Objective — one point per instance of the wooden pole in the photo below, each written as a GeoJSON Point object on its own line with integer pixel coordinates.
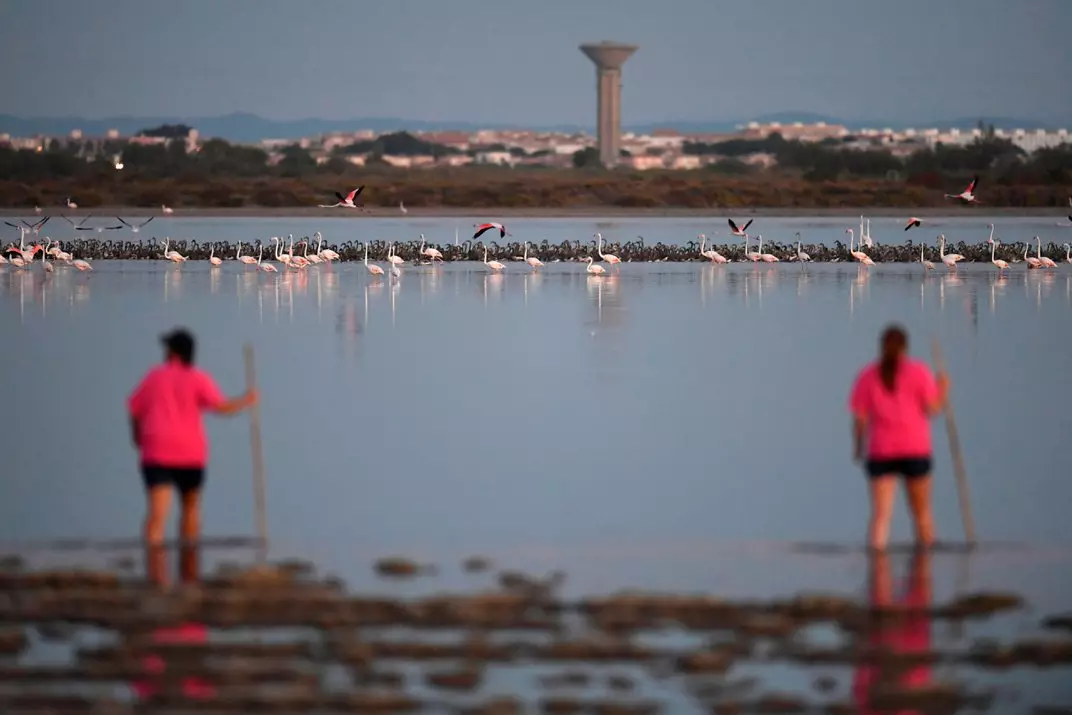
{"type": "Point", "coordinates": [957, 454]}
{"type": "Point", "coordinates": [258, 459]}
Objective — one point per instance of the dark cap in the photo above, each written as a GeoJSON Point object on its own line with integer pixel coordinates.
{"type": "Point", "coordinates": [180, 343]}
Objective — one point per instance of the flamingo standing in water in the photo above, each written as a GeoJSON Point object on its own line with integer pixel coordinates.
{"type": "Point", "coordinates": [1031, 261]}
{"type": "Point", "coordinates": [212, 257]}
{"type": "Point", "coordinates": [710, 254]}
{"type": "Point", "coordinates": [45, 263]}
{"type": "Point", "coordinates": [173, 256]}
{"type": "Point", "coordinates": [295, 261]}
{"type": "Point", "coordinates": [493, 266]}
{"type": "Point", "coordinates": [1002, 265]}
{"type": "Point", "coordinates": [533, 261]}
{"type": "Point", "coordinates": [949, 259]}
{"type": "Point", "coordinates": [313, 258]}
{"type": "Point", "coordinates": [279, 255]}
{"type": "Point", "coordinates": [1046, 262]}
{"type": "Point", "coordinates": [592, 268]}
{"type": "Point", "coordinates": [750, 255]}
{"type": "Point", "coordinates": [372, 268]}
{"type": "Point", "coordinates": [79, 264]}
{"type": "Point", "coordinates": [248, 260]}
{"type": "Point", "coordinates": [608, 257]}
{"type": "Point", "coordinates": [1068, 253]}
{"type": "Point", "coordinates": [266, 267]}
{"type": "Point", "coordinates": [327, 254]}
{"type": "Point", "coordinates": [968, 195]}
{"type": "Point", "coordinates": [432, 253]}
{"type": "Point", "coordinates": [71, 204]}
{"type": "Point", "coordinates": [767, 257]}
{"type": "Point", "coordinates": [856, 254]}
{"type": "Point", "coordinates": [926, 264]}
{"type": "Point", "coordinates": [167, 210]}
{"type": "Point", "coordinates": [801, 256]}
{"type": "Point", "coordinates": [394, 260]}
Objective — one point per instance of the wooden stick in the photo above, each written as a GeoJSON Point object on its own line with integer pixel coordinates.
{"type": "Point", "coordinates": [258, 458]}
{"type": "Point", "coordinates": [957, 454]}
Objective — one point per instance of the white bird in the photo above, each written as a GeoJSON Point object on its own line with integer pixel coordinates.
{"type": "Point", "coordinates": [592, 268]}
{"type": "Point", "coordinates": [1046, 262]}
{"type": "Point", "coordinates": [533, 261]}
{"type": "Point", "coordinates": [266, 267]}
{"type": "Point", "coordinates": [172, 256]}
{"type": "Point", "coordinates": [392, 258]}
{"type": "Point", "coordinates": [167, 210]}
{"type": "Point", "coordinates": [45, 263]}
{"type": "Point", "coordinates": [71, 204]}
{"type": "Point", "coordinates": [135, 227]}
{"type": "Point", "coordinates": [801, 256]}
{"type": "Point", "coordinates": [402, 208]}
{"type": "Point", "coordinates": [1002, 265]}
{"type": "Point", "coordinates": [1068, 254]}
{"type": "Point", "coordinates": [926, 264]}
{"type": "Point", "coordinates": [968, 195]}
{"type": "Point", "coordinates": [865, 237]}
{"type": "Point", "coordinates": [212, 257]}
{"type": "Point", "coordinates": [372, 268]}
{"type": "Point", "coordinates": [432, 253]}
{"type": "Point", "coordinates": [346, 202]}
{"type": "Point", "coordinates": [608, 257]}
{"type": "Point", "coordinates": [494, 266]}
{"type": "Point", "coordinates": [949, 259]}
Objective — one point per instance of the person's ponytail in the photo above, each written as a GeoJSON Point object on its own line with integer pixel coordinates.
{"type": "Point", "coordinates": [894, 343]}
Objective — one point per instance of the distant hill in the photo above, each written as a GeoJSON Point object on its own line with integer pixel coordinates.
{"type": "Point", "coordinates": [244, 127]}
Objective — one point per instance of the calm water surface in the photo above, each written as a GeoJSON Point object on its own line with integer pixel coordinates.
{"type": "Point", "coordinates": [669, 426]}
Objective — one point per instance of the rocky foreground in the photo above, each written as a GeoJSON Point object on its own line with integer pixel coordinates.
{"type": "Point", "coordinates": [281, 639]}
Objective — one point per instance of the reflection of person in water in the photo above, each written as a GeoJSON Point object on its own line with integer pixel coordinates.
{"type": "Point", "coordinates": [901, 635]}
{"type": "Point", "coordinates": [155, 666]}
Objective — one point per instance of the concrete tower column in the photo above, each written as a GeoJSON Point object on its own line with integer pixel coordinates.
{"type": "Point", "coordinates": [608, 58]}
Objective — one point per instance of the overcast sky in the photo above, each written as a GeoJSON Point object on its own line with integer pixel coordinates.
{"type": "Point", "coordinates": [516, 61]}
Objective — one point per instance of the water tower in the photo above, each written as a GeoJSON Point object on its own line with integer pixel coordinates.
{"type": "Point", "coordinates": [608, 58]}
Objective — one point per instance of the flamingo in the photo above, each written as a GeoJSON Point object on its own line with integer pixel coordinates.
{"type": "Point", "coordinates": [79, 264]}
{"type": "Point", "coordinates": [212, 257]}
{"type": "Point", "coordinates": [292, 260]}
{"type": "Point", "coordinates": [34, 228]}
{"type": "Point", "coordinates": [533, 261]}
{"type": "Point", "coordinates": [968, 195]}
{"type": "Point", "coordinates": [246, 259]}
{"type": "Point", "coordinates": [58, 254]}
{"type": "Point", "coordinates": [949, 259]}
{"type": "Point", "coordinates": [266, 267]}
{"type": "Point", "coordinates": [926, 264]}
{"type": "Point", "coordinates": [167, 210]}
{"type": "Point", "coordinates": [173, 256]}
{"type": "Point", "coordinates": [1032, 262]}
{"type": "Point", "coordinates": [592, 268]}
{"type": "Point", "coordinates": [858, 255]}
{"type": "Point", "coordinates": [865, 237]}
{"type": "Point", "coordinates": [327, 254]}
{"type": "Point", "coordinates": [739, 231]}
{"type": "Point", "coordinates": [801, 256]}
{"type": "Point", "coordinates": [310, 259]}
{"type": "Point", "coordinates": [494, 266]}
{"type": "Point", "coordinates": [913, 222]}
{"type": "Point", "coordinates": [750, 255]}
{"type": "Point", "coordinates": [1068, 254]}
{"type": "Point", "coordinates": [372, 268]}
{"type": "Point", "coordinates": [1046, 262]}
{"type": "Point", "coordinates": [78, 226]}
{"type": "Point", "coordinates": [432, 253]}
{"type": "Point", "coordinates": [402, 208]}
{"type": "Point", "coordinates": [481, 228]}
{"type": "Point", "coordinates": [392, 258]}
{"type": "Point", "coordinates": [71, 204]}
{"type": "Point", "coordinates": [710, 254]}
{"type": "Point", "coordinates": [134, 228]}
{"type": "Point", "coordinates": [1002, 265]}
{"type": "Point", "coordinates": [608, 257]}
{"type": "Point", "coordinates": [37, 210]}
{"type": "Point", "coordinates": [279, 255]}
{"type": "Point", "coordinates": [346, 202]}
{"type": "Point", "coordinates": [767, 257]}
{"type": "Point", "coordinates": [45, 263]}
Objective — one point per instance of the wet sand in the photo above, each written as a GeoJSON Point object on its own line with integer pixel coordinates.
{"type": "Point", "coordinates": [543, 213]}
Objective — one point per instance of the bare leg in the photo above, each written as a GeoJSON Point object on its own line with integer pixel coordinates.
{"type": "Point", "coordinates": [190, 533]}
{"type": "Point", "coordinates": [158, 503]}
{"type": "Point", "coordinates": [918, 492]}
{"type": "Point", "coordinates": [883, 491]}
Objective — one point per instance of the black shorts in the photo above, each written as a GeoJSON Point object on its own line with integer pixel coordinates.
{"type": "Point", "coordinates": [907, 467]}
{"type": "Point", "coordinates": [185, 479]}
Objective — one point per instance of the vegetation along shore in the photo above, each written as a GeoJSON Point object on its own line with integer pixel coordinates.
{"type": "Point", "coordinates": [797, 176]}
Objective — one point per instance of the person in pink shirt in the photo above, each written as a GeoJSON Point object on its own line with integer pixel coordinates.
{"type": "Point", "coordinates": [165, 420]}
{"type": "Point", "coordinates": [892, 401]}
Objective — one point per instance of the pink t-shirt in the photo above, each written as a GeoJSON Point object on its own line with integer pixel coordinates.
{"type": "Point", "coordinates": [898, 423]}
{"type": "Point", "coordinates": [168, 405]}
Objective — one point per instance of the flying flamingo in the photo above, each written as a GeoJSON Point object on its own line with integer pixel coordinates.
{"type": "Point", "coordinates": [926, 264]}
{"type": "Point", "coordinates": [533, 261]}
{"type": "Point", "coordinates": [767, 257]}
{"type": "Point", "coordinates": [592, 268]}
{"type": "Point", "coordinates": [212, 257]}
{"type": "Point", "coordinates": [494, 266]}
{"type": "Point", "coordinates": [1002, 265]}
{"type": "Point", "coordinates": [372, 268]}
{"type": "Point", "coordinates": [167, 210]}
{"type": "Point", "coordinates": [134, 228]}
{"type": "Point", "coordinates": [968, 195]}
{"type": "Point", "coordinates": [750, 255]}
{"type": "Point", "coordinates": [481, 228]}
{"type": "Point", "coordinates": [739, 231]}
{"type": "Point", "coordinates": [432, 253]}
{"type": "Point", "coordinates": [801, 256]}
{"type": "Point", "coordinates": [346, 202]}
{"type": "Point", "coordinates": [246, 259]}
{"type": "Point", "coordinates": [913, 223]}
{"type": "Point", "coordinates": [266, 267]}
{"type": "Point", "coordinates": [608, 257]}
{"type": "Point", "coordinates": [1046, 262]}
{"type": "Point", "coordinates": [710, 254]}
{"type": "Point", "coordinates": [34, 228]}
{"type": "Point", "coordinates": [949, 259]}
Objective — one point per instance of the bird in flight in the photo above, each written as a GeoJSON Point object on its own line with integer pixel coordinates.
{"type": "Point", "coordinates": [912, 223]}
{"type": "Point", "coordinates": [482, 228]}
{"type": "Point", "coordinates": [739, 231]}
{"type": "Point", "coordinates": [346, 202]}
{"type": "Point", "coordinates": [968, 195]}
{"type": "Point", "coordinates": [135, 227]}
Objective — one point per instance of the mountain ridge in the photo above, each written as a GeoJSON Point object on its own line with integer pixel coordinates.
{"type": "Point", "coordinates": [248, 128]}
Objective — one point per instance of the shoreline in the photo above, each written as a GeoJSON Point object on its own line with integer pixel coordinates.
{"type": "Point", "coordinates": [550, 212]}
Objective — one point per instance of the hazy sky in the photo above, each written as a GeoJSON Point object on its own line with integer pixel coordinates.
{"type": "Point", "coordinates": [516, 61]}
